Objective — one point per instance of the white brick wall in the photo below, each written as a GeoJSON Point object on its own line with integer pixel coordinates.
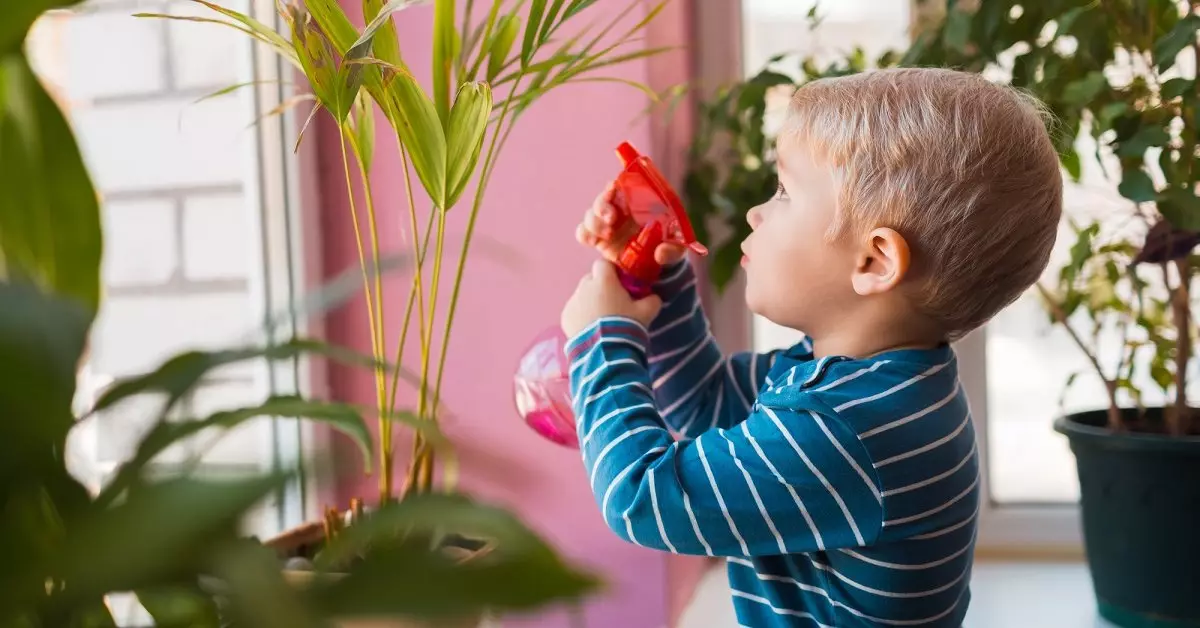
{"type": "Point", "coordinates": [165, 143]}
{"type": "Point", "coordinates": [140, 242]}
{"type": "Point", "coordinates": [112, 54]}
{"type": "Point", "coordinates": [135, 333]}
{"type": "Point", "coordinates": [205, 55]}
{"type": "Point", "coordinates": [216, 237]}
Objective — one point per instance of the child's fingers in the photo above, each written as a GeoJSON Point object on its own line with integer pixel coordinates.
{"type": "Point", "coordinates": [669, 253]}
{"type": "Point", "coordinates": [585, 237]}
{"type": "Point", "coordinates": [596, 225]}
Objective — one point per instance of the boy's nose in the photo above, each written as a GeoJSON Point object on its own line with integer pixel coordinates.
{"type": "Point", "coordinates": [754, 217]}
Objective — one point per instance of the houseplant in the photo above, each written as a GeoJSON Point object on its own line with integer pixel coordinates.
{"type": "Point", "coordinates": [1116, 76]}
{"type": "Point", "coordinates": [446, 136]}
{"type": "Point", "coordinates": [174, 540]}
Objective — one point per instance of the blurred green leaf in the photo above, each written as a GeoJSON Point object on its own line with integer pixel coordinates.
{"type": "Point", "coordinates": [161, 531]}
{"type": "Point", "coordinates": [1082, 91]}
{"type": "Point", "coordinates": [958, 29]}
{"type": "Point", "coordinates": [1177, 87]}
{"type": "Point", "coordinates": [520, 572]}
{"type": "Point", "coordinates": [179, 607]}
{"type": "Point", "coordinates": [42, 339]}
{"type": "Point", "coordinates": [49, 211]}
{"type": "Point", "coordinates": [1137, 186]}
{"type": "Point", "coordinates": [444, 33]}
{"type": "Point", "coordinates": [1170, 45]}
{"type": "Point", "coordinates": [17, 17]}
{"type": "Point", "coordinates": [1072, 163]}
{"type": "Point", "coordinates": [501, 45]}
{"type": "Point", "coordinates": [342, 417]}
{"type": "Point", "coordinates": [1067, 20]}
{"type": "Point", "coordinates": [1181, 208]}
{"type": "Point", "coordinates": [259, 596]}
{"type": "Point", "coordinates": [468, 126]}
{"type": "Point", "coordinates": [1145, 138]}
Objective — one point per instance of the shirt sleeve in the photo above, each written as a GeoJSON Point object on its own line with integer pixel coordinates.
{"type": "Point", "coordinates": [696, 387]}
{"type": "Point", "coordinates": [781, 482]}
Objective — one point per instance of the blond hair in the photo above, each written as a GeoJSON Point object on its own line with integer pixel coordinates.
{"type": "Point", "coordinates": [961, 167]}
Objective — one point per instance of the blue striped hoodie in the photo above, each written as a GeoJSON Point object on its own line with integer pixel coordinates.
{"type": "Point", "coordinates": [842, 492]}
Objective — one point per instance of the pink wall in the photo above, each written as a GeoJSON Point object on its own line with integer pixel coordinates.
{"type": "Point", "coordinates": [559, 157]}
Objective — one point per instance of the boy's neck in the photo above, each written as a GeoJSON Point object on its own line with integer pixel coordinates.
{"type": "Point", "coordinates": [857, 340]}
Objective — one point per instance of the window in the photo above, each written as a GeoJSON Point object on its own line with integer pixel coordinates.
{"type": "Point", "coordinates": [199, 218]}
{"type": "Point", "coordinates": [1016, 368]}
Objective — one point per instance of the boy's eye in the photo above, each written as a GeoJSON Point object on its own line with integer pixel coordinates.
{"type": "Point", "coordinates": [780, 191]}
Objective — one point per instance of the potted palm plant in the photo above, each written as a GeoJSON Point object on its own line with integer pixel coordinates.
{"type": "Point", "coordinates": [174, 541]}
{"type": "Point", "coordinates": [1120, 81]}
{"type": "Point", "coordinates": [491, 63]}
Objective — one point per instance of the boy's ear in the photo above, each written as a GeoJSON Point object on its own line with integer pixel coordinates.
{"type": "Point", "coordinates": [882, 263]}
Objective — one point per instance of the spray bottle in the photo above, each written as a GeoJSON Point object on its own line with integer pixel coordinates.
{"type": "Point", "coordinates": [541, 385]}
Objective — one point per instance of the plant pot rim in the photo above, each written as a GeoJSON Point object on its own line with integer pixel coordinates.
{"type": "Point", "coordinates": [1101, 437]}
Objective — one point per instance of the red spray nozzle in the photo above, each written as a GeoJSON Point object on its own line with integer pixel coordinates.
{"type": "Point", "coordinates": [653, 205]}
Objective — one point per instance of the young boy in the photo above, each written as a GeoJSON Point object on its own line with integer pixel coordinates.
{"type": "Point", "coordinates": [840, 476]}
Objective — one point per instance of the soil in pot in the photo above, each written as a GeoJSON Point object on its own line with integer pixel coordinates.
{"type": "Point", "coordinates": [1140, 494]}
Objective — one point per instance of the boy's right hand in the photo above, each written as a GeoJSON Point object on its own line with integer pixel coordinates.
{"type": "Point", "coordinates": [608, 227]}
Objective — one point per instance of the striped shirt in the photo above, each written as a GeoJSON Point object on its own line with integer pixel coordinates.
{"type": "Point", "coordinates": [842, 492]}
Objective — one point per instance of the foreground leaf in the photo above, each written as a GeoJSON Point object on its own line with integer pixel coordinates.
{"type": "Point", "coordinates": [522, 572]}
{"type": "Point", "coordinates": [42, 339]}
{"type": "Point", "coordinates": [162, 531]}
{"type": "Point", "coordinates": [17, 17]}
{"type": "Point", "coordinates": [49, 211]}
{"type": "Point", "coordinates": [179, 607]}
{"type": "Point", "coordinates": [258, 594]}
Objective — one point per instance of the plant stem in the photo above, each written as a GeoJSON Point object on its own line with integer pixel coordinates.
{"type": "Point", "coordinates": [1114, 411]}
{"type": "Point", "coordinates": [425, 464]}
{"type": "Point", "coordinates": [1179, 420]}
{"type": "Point", "coordinates": [418, 292]}
{"type": "Point", "coordinates": [386, 457]}
{"type": "Point", "coordinates": [480, 190]}
{"type": "Point", "coordinates": [376, 350]}
{"type": "Point", "coordinates": [408, 308]}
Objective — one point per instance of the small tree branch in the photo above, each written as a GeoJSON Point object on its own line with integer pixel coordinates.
{"type": "Point", "coordinates": [1110, 386]}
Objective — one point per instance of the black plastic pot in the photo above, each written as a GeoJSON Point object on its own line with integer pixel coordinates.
{"type": "Point", "coordinates": [1141, 521]}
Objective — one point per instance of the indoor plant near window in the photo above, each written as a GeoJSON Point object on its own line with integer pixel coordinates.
{"type": "Point", "coordinates": [174, 541]}
{"type": "Point", "coordinates": [489, 67]}
{"type": "Point", "coordinates": [1119, 74]}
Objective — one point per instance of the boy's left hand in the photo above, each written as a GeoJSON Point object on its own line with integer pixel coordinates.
{"type": "Point", "coordinates": [600, 294]}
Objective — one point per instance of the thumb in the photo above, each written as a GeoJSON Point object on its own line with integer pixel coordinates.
{"type": "Point", "coordinates": [646, 309]}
